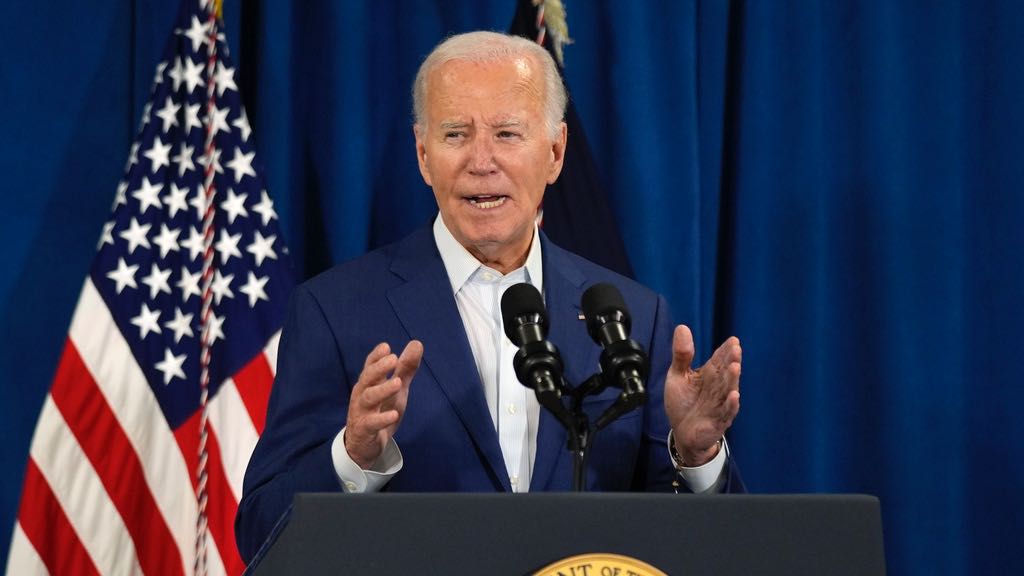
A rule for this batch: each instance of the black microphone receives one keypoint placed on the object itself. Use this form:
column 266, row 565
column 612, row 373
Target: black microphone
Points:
column 624, row 363
column 538, row 364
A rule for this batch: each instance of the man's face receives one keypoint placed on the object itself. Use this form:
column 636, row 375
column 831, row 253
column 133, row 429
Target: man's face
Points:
column 486, row 151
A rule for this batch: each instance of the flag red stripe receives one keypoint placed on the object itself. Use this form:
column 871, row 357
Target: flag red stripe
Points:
column 221, row 506
column 253, row 382
column 111, row 453
column 48, row 529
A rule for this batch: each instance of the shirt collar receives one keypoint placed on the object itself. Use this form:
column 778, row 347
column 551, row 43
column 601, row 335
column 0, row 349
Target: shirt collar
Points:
column 461, row 265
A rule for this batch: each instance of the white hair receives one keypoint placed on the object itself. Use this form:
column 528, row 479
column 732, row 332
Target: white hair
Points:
column 490, row 47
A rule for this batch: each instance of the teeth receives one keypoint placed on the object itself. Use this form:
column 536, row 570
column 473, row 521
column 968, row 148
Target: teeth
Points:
column 489, row 204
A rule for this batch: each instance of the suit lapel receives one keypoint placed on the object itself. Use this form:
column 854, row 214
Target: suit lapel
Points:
column 426, row 308
column 563, row 287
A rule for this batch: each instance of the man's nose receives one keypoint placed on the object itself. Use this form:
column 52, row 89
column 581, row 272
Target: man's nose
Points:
column 481, row 160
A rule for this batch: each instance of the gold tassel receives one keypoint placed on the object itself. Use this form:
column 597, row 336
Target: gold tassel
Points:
column 556, row 24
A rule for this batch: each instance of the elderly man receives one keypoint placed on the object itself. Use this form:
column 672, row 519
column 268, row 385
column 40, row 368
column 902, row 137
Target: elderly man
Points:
column 348, row 413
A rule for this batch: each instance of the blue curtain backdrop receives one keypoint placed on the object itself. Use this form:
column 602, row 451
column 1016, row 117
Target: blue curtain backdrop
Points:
column 837, row 183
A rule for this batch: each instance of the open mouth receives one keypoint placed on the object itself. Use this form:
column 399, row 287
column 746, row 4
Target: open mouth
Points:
column 487, row 202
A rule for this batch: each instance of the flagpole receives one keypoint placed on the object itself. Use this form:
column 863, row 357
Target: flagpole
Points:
column 209, row 191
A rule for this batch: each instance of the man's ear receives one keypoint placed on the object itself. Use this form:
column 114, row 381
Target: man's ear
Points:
column 421, row 152
column 558, row 153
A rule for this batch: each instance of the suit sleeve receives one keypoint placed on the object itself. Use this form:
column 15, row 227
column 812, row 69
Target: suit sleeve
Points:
column 307, row 409
column 655, row 471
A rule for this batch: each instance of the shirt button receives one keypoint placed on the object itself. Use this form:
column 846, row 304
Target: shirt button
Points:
column 512, row 409
column 350, row 486
column 515, row 480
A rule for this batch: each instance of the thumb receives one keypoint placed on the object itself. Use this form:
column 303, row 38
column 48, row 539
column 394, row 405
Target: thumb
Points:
column 682, row 349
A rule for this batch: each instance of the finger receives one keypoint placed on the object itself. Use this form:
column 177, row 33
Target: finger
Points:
column 375, row 396
column 682, row 349
column 730, row 409
column 731, row 377
column 409, row 361
column 379, row 420
column 379, row 351
column 377, row 372
column 727, row 353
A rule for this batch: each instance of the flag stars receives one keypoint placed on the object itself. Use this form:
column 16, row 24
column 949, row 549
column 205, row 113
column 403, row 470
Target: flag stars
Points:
column 220, row 120
column 204, row 161
column 170, row 366
column 262, row 248
column 265, row 208
column 147, row 321
column 242, row 164
column 159, row 72
column 169, row 114
column 177, row 74
column 184, row 159
column 197, row 33
column 124, row 275
column 199, row 203
column 106, row 237
column 192, row 118
column 157, row 281
column 167, row 240
column 193, row 75
column 133, row 155
column 148, row 195
column 189, row 284
column 145, row 113
column 181, row 325
column 234, row 205
column 159, row 154
column 253, row 288
column 227, row 246
column 175, row 199
column 225, row 78
column 135, row 235
column 221, row 286
column 121, row 196
column 194, row 243
column 242, row 123
column 214, row 329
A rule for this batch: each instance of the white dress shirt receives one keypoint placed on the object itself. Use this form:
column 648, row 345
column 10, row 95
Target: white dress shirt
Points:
column 513, row 407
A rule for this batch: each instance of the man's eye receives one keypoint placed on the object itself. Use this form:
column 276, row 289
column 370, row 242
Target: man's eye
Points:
column 451, row 135
column 507, row 134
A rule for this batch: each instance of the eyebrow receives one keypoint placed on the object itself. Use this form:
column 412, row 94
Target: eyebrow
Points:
column 452, row 124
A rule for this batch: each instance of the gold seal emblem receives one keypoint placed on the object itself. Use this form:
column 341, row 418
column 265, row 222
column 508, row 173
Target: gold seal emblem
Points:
column 601, row 564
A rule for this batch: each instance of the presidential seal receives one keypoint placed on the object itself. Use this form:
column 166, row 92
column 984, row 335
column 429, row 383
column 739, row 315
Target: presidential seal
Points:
column 600, row 564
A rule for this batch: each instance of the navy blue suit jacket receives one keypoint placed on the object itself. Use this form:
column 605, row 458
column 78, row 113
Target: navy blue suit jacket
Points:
column 447, row 438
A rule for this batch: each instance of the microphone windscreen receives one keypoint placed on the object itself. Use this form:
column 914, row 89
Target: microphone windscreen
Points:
column 520, row 300
column 602, row 299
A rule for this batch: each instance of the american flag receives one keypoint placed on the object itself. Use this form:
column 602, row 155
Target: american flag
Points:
column 136, row 465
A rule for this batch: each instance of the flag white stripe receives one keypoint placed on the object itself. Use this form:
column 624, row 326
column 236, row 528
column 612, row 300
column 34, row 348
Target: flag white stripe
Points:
column 81, row 494
column 214, row 565
column 109, row 359
column 270, row 350
column 235, row 433
column 23, row 560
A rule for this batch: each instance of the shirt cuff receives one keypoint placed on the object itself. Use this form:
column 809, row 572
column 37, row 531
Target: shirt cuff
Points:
column 355, row 480
column 706, row 479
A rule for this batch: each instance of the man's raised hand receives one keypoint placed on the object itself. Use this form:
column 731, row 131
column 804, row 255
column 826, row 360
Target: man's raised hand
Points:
column 378, row 401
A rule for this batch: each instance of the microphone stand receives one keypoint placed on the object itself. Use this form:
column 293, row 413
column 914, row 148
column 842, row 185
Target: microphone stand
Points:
column 579, row 427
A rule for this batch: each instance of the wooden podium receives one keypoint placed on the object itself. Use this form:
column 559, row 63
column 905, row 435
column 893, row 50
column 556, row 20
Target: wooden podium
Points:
column 474, row 534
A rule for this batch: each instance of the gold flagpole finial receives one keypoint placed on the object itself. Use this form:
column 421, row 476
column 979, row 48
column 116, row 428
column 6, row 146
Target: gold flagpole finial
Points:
column 218, row 6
